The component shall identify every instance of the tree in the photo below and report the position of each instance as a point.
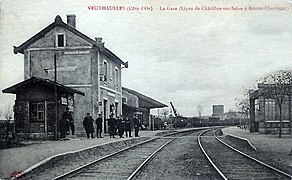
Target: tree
(200, 110)
(243, 105)
(277, 86)
(231, 114)
(164, 112)
(8, 112)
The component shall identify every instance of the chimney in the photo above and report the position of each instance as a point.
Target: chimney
(98, 39)
(99, 43)
(71, 20)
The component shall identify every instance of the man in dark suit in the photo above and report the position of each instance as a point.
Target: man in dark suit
(137, 124)
(98, 126)
(88, 125)
(112, 125)
(128, 126)
(68, 121)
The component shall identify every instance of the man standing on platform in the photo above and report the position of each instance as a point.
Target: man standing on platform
(137, 124)
(64, 123)
(128, 126)
(98, 126)
(112, 126)
(121, 126)
(68, 119)
(88, 125)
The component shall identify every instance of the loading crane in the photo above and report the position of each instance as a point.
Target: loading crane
(178, 120)
(176, 114)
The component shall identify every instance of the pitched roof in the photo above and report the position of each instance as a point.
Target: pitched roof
(59, 23)
(45, 82)
(152, 102)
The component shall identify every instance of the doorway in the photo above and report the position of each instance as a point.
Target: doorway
(105, 115)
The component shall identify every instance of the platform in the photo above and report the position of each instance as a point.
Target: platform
(280, 148)
(22, 158)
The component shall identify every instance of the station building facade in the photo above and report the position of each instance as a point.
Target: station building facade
(265, 111)
(60, 52)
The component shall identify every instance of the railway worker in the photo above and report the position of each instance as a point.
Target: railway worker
(64, 121)
(127, 126)
(120, 126)
(112, 125)
(88, 125)
(137, 124)
(98, 122)
(68, 119)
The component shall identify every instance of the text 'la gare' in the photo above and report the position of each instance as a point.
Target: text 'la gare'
(181, 8)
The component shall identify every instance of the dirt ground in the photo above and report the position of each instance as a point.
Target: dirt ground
(181, 159)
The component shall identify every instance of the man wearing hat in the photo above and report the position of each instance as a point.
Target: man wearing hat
(67, 121)
(112, 125)
(137, 124)
(98, 122)
(88, 125)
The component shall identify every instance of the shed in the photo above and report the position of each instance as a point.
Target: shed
(34, 109)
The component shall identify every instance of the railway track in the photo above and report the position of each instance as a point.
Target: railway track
(231, 163)
(123, 164)
(181, 159)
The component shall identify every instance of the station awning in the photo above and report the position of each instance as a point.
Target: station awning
(24, 85)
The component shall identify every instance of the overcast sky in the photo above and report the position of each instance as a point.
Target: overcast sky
(189, 58)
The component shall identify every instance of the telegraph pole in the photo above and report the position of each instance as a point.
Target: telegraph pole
(56, 98)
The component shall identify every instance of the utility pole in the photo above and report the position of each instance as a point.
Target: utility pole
(56, 99)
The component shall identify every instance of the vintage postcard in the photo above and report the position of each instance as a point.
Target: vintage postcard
(155, 64)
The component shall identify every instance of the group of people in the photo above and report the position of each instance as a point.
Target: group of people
(119, 126)
(116, 126)
(89, 128)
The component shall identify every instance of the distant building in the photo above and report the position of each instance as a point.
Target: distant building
(82, 63)
(218, 110)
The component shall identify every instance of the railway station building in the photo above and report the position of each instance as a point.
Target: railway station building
(265, 112)
(61, 53)
(135, 103)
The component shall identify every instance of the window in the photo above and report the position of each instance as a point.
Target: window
(116, 109)
(112, 108)
(285, 110)
(270, 109)
(111, 71)
(60, 40)
(37, 111)
(105, 71)
(117, 77)
(124, 100)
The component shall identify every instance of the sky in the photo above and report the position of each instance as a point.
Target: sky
(190, 58)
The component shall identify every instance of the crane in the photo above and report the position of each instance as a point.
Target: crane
(174, 110)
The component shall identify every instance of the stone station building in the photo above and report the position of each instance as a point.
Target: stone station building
(80, 63)
(87, 76)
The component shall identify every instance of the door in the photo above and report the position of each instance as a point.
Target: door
(105, 115)
(50, 119)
